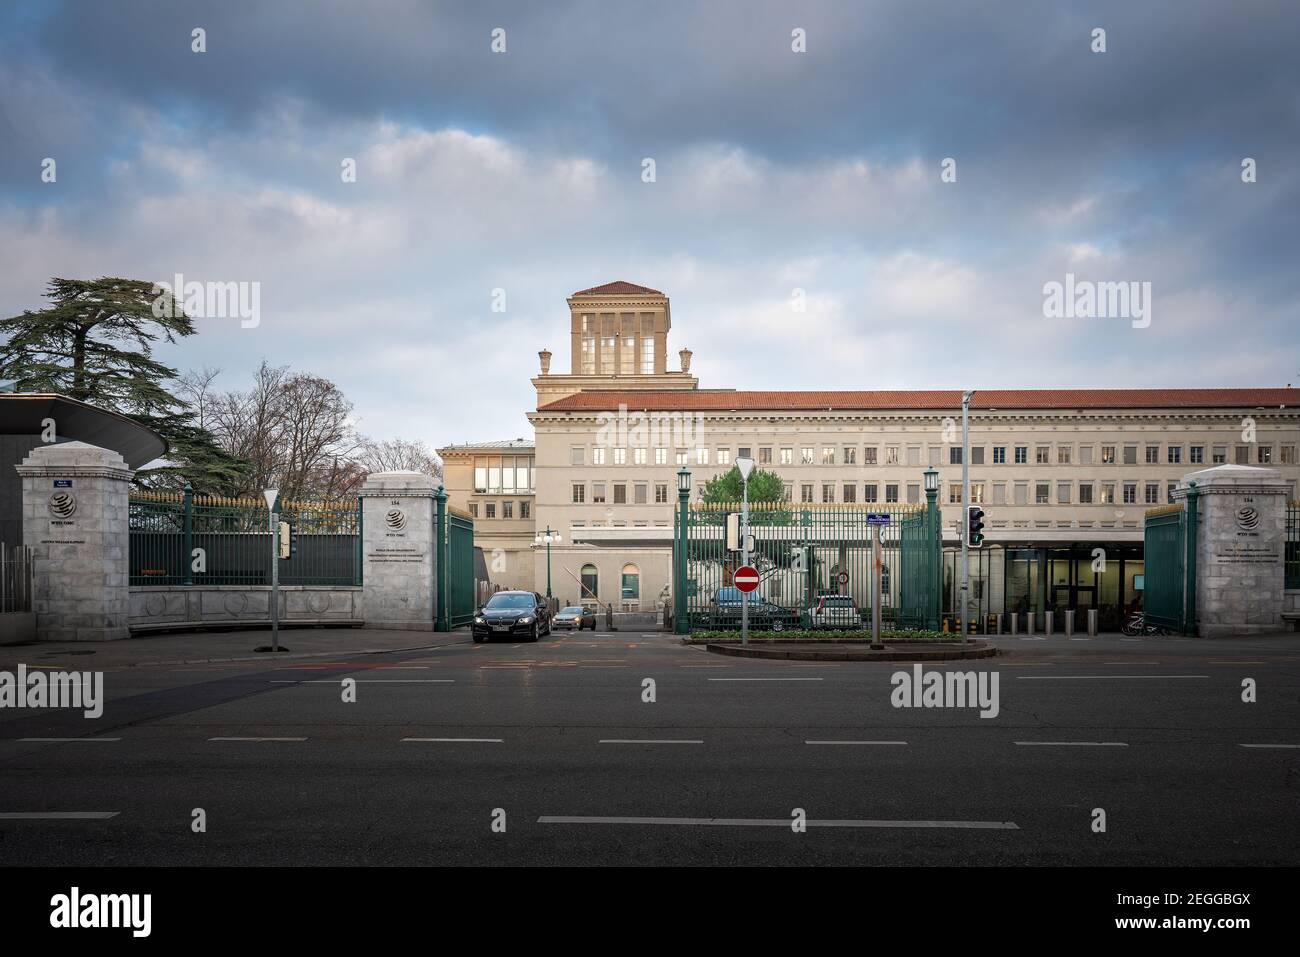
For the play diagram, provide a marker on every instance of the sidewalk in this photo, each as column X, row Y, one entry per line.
column 203, row 647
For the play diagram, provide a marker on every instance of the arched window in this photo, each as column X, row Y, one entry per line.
column 590, row 583
column 631, row 583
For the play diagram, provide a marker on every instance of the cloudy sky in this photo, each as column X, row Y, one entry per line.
column 775, row 171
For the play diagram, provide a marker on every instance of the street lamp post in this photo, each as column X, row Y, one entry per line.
column 931, row 533
column 745, row 465
column 546, row 538
column 680, row 625
column 965, row 504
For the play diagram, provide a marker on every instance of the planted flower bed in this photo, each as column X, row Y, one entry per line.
column 826, row 634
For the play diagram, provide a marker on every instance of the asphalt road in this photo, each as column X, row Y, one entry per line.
column 558, row 738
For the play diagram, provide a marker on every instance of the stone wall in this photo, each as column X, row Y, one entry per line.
column 158, row 607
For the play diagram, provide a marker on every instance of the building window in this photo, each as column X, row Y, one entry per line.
column 647, row 355
column 869, row 492
column 999, row 493
column 913, row 493
column 579, row 493
column 1042, row 494
column 525, row 509
column 1022, row 454
column 1153, row 454
column 1085, row 455
column 891, row 454
column 954, row 455
column 787, row 491
column 620, row 493
column 1062, row 493
column 590, row 583
column 850, row 493
column 1022, row 493
column 631, row 584
column 1107, row 493
column 869, row 455
column 638, row 456
column 490, row 510
column 806, row 492
column 701, row 455
column 787, row 456
column 1043, row 455
column 954, row 493
column 724, row 456
column 577, row 455
column 977, row 493
column 743, row 452
column 597, row 493
column 936, row 455
column 1220, row 454
column 828, row 455
column 1265, row 455
column 620, row 456
column 828, row 493
column 765, row 455
column 588, row 364
column 683, row 457
column 1287, row 455
column 1196, row 454
column 999, row 455
column 473, row 509
column 977, row 455
column 1108, row 455
column 1130, row 493
column 1169, row 492
column 597, row 456
column 1174, row 454
column 1243, row 455
column 507, row 509
column 1130, row 455
column 1152, row 493
column 850, row 455
column 639, row 492
column 891, row 494
column 1063, row 454
column 914, row 455
column 661, row 456
column 661, row 493
column 806, row 455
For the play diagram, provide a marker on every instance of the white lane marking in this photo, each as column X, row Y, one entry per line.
column 855, row 742
column 764, row 679
column 1268, row 745
column 256, row 739
column 1102, row 677
column 65, row 740
column 773, row 822
column 57, row 815
column 650, row 741
column 1030, row 638
column 367, row 681
column 460, row 740
column 1073, row 744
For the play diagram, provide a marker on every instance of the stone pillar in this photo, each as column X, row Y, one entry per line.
column 1241, row 535
column 75, row 520
column 399, row 560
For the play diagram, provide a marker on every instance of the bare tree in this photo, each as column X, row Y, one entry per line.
column 393, row 455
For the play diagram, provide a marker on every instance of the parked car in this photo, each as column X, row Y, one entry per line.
column 835, row 611
column 575, row 616
column 512, row 614
column 725, row 612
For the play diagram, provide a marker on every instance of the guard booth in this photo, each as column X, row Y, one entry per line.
column 804, row 552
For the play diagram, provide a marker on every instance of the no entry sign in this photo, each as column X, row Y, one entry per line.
column 745, row 578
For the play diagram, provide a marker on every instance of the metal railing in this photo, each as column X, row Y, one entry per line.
column 177, row 538
column 15, row 578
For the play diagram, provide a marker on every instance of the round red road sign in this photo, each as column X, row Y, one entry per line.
column 745, row 578
column 843, row 578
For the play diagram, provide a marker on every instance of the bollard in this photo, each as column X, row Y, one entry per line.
column 1092, row 622
column 1049, row 623
column 997, row 628
column 1029, row 623
column 1015, row 622
column 1069, row 623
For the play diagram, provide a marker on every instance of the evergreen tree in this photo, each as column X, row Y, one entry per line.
column 764, row 486
column 94, row 343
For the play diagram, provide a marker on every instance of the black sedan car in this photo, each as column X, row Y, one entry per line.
column 513, row 614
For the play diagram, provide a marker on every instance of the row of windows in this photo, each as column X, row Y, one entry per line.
column 503, row 473
column 1056, row 454
column 619, row 493
column 502, row 509
column 601, row 342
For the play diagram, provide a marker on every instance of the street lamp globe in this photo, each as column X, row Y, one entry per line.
column 931, row 479
column 684, row 480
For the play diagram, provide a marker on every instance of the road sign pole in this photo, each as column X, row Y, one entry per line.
column 744, row 557
column 875, row 587
column 275, row 581
column 965, row 503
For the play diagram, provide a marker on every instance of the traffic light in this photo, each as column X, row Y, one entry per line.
column 974, row 526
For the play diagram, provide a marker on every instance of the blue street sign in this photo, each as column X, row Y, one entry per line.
column 877, row 518
column 63, row 483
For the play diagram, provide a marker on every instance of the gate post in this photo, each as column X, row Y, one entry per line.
column 400, row 581
column 440, row 562
column 934, row 541
column 681, row 625
column 187, row 537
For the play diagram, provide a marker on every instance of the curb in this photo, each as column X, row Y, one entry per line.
column 858, row 653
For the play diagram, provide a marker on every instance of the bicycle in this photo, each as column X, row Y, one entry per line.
column 1137, row 625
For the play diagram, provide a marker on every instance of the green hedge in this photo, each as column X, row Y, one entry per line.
column 824, row 634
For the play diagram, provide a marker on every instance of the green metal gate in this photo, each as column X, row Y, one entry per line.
column 455, row 568
column 1169, row 572
column 804, row 552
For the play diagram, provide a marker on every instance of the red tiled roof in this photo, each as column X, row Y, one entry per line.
column 619, row 287
column 988, row 399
